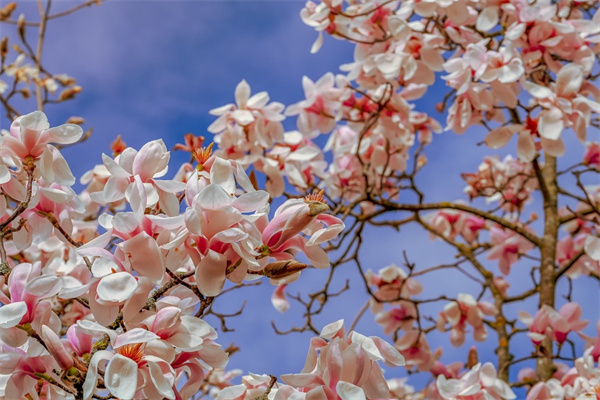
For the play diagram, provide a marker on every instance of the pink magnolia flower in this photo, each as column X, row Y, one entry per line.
column 401, row 316
column 564, row 105
column 220, row 236
column 556, row 325
column 345, row 364
column 251, row 124
column 507, row 181
column 137, row 365
column 416, row 351
column 30, row 136
column 569, row 247
column 318, row 112
column 451, row 223
column 183, row 332
column 20, row 369
column 282, row 234
column 507, row 248
column 481, row 382
column 25, row 303
column 133, row 176
column 465, row 310
column 392, row 283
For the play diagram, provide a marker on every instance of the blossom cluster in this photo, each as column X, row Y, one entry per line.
column 109, row 286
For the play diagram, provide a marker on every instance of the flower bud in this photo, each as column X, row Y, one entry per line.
column 7, row 10
column 21, row 26
column 4, row 47
column 69, row 93
column 56, row 348
column 472, row 358
column 282, row 269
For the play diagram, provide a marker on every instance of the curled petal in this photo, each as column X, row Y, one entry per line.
column 116, row 287
column 121, row 377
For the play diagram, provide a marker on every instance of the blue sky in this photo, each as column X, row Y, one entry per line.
column 154, row 69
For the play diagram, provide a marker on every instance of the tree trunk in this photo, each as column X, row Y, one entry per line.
column 548, row 184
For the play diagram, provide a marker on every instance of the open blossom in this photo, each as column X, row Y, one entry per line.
column 345, row 364
column 249, row 125
column 564, row 104
column 392, row 283
column 18, row 369
column 452, row 223
column 318, row 112
column 133, row 175
column 134, row 357
column 465, row 310
column 507, row 248
column 401, row 316
column 25, row 302
column 481, row 382
column 557, row 325
column 295, row 216
column 415, row 349
column 508, row 181
column 30, row 135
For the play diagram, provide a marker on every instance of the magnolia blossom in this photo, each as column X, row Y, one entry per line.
column 392, row 283
column 414, row 347
column 319, row 111
column 281, row 235
column 462, row 311
column 133, row 176
column 510, row 182
column 25, row 303
column 252, row 123
column 507, row 248
column 480, row 382
column 564, row 104
column 552, row 323
column 29, row 139
column 345, row 365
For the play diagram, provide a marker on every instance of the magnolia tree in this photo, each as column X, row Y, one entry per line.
column 105, row 292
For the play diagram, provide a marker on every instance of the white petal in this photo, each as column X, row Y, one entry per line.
column 242, row 93
column 117, row 287
column 332, row 329
column 488, row 19
column 592, row 247
column 11, row 314
column 243, row 117
column 348, row 391
column 121, row 377
column 221, row 173
column 63, row 134
column 316, row 46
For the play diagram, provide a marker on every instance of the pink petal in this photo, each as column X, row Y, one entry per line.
column 210, row 273
column 62, row 134
column 145, row 256
column 279, row 300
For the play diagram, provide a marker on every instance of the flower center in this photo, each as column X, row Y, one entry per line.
column 132, row 351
